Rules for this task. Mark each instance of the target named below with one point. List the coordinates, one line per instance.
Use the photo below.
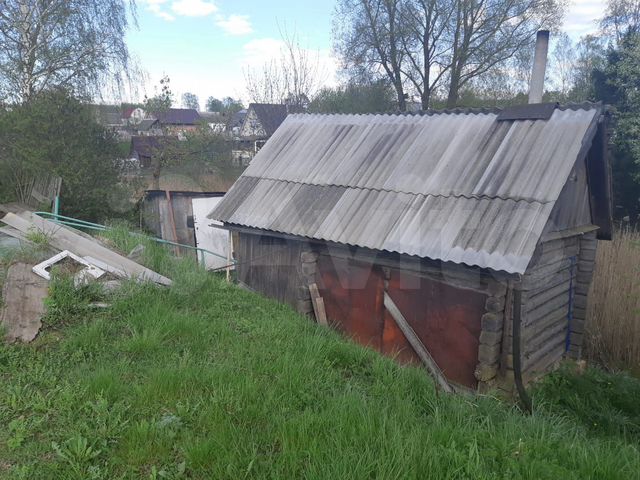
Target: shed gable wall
(252, 127)
(572, 209)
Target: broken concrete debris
(64, 238)
(26, 286)
(84, 274)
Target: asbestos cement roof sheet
(460, 187)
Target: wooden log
(543, 311)
(588, 255)
(535, 329)
(497, 288)
(576, 339)
(308, 257)
(495, 304)
(563, 278)
(506, 331)
(548, 255)
(304, 307)
(489, 353)
(485, 372)
(548, 352)
(554, 333)
(535, 279)
(416, 344)
(490, 338)
(580, 301)
(584, 278)
(545, 296)
(309, 269)
(577, 326)
(546, 361)
(491, 322)
(586, 267)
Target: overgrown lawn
(206, 381)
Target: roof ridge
(586, 105)
(434, 195)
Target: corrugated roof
(271, 115)
(458, 187)
(179, 116)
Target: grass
(613, 317)
(204, 380)
(603, 403)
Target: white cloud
(156, 7)
(235, 24)
(583, 16)
(194, 8)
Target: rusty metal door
(353, 298)
(445, 318)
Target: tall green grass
(203, 380)
(613, 316)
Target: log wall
(271, 266)
(554, 294)
(554, 297)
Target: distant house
(148, 127)
(109, 116)
(237, 119)
(145, 148)
(217, 121)
(133, 115)
(260, 122)
(179, 119)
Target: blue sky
(205, 45)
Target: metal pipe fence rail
(82, 224)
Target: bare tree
(371, 41)
(424, 45)
(293, 78)
(621, 17)
(563, 64)
(78, 44)
(425, 26)
(486, 33)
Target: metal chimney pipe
(536, 89)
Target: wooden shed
(439, 237)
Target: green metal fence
(82, 224)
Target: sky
(206, 46)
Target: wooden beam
(318, 305)
(417, 344)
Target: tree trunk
(425, 98)
(402, 102)
(454, 92)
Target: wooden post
(173, 222)
(318, 305)
(229, 251)
(417, 344)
